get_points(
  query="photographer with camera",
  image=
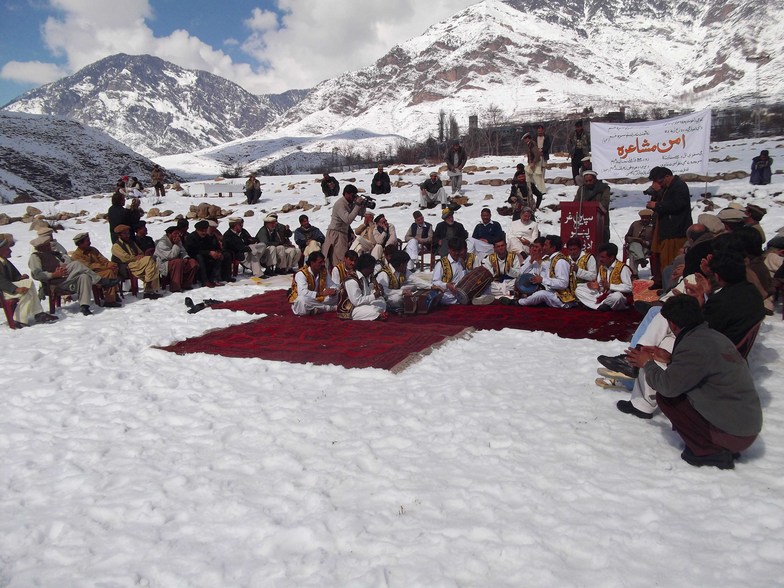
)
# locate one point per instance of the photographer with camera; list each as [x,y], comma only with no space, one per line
[339,232]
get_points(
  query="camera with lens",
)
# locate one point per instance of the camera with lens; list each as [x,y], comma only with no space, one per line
[368,202]
[650,192]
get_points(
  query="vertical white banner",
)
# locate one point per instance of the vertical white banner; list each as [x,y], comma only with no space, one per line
[681,144]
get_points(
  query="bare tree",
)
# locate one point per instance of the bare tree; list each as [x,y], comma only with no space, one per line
[441,126]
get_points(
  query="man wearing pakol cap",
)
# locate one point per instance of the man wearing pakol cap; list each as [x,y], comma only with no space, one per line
[446,230]
[140,265]
[312,289]
[173,261]
[419,234]
[283,254]
[18,286]
[455,159]
[754,215]
[672,207]
[205,249]
[56,245]
[594,190]
[244,248]
[339,233]
[92,258]
[432,192]
[53,269]
[638,240]
[534,168]
[732,218]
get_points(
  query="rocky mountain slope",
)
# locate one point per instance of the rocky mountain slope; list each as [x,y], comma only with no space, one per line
[156,107]
[52,158]
[537,58]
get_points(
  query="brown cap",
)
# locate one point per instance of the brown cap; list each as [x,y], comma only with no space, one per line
[121,228]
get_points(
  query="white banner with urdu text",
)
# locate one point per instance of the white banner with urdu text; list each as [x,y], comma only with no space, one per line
[630,150]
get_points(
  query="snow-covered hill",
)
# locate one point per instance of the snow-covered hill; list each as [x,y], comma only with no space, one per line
[537,58]
[156,107]
[54,158]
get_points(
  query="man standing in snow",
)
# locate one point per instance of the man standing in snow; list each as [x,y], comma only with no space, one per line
[339,232]
[534,168]
[455,160]
[579,147]
[544,142]
[157,178]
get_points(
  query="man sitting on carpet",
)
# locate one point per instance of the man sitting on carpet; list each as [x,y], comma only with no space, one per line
[345,267]
[312,290]
[556,278]
[485,234]
[505,267]
[707,390]
[394,278]
[361,298]
[613,288]
[583,263]
[450,269]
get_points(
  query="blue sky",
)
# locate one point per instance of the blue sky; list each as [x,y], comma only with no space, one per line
[266,47]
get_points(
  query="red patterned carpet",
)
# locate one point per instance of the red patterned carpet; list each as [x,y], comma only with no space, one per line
[391,345]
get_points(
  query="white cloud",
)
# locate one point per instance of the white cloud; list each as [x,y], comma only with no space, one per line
[31,72]
[312,41]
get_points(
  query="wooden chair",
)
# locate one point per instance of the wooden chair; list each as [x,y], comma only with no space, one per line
[424,250]
[744,345]
[235,268]
[9,305]
[55,296]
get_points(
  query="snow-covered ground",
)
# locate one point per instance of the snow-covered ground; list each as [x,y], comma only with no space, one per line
[494,461]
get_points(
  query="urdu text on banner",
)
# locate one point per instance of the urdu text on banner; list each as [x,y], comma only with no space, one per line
[630,150]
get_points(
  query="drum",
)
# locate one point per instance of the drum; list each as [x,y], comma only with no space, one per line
[421,301]
[524,286]
[472,284]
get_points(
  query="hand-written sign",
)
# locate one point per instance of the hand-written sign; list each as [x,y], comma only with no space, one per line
[681,144]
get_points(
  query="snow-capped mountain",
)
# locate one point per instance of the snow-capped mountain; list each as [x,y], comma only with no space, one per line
[539,58]
[156,107]
[53,158]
